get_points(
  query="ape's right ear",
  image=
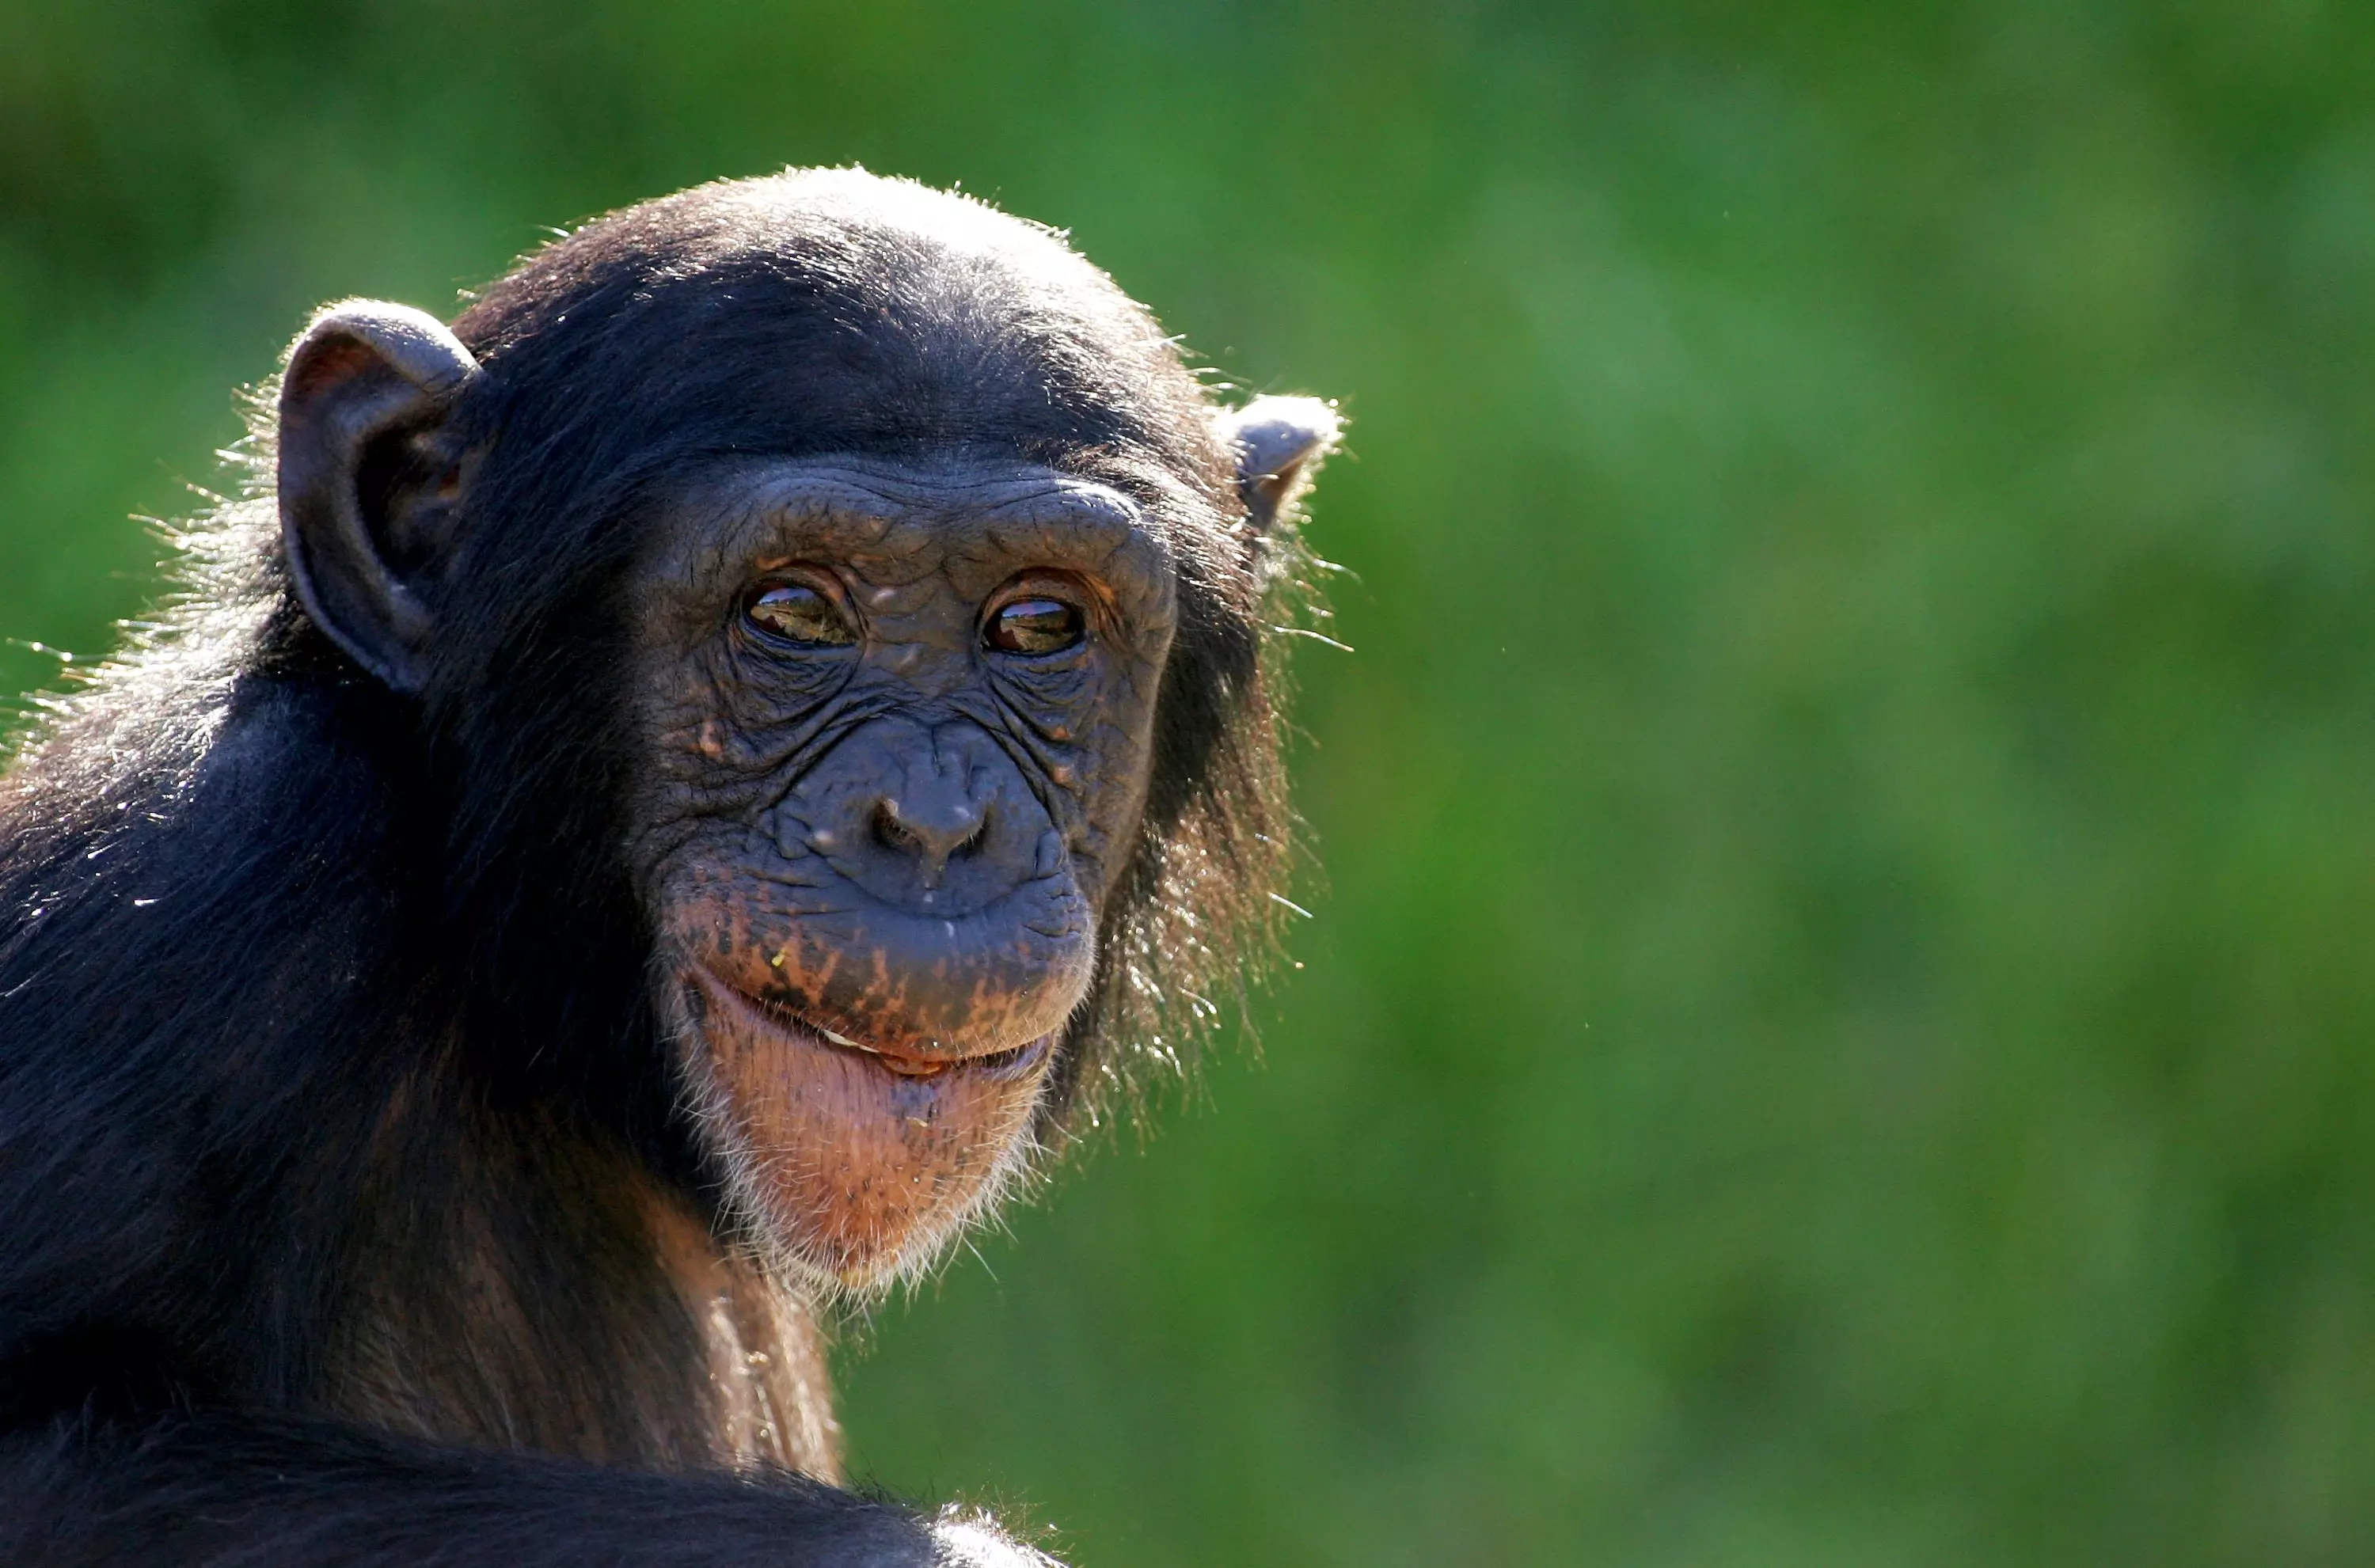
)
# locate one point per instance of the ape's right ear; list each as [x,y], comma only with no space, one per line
[370,479]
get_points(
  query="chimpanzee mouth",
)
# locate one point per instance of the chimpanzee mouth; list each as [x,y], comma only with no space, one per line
[1003,1063]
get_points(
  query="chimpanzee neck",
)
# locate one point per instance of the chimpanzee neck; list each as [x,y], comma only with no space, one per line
[542,1291]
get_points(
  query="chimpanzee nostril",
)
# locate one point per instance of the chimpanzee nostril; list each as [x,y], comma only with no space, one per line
[891,833]
[934,831]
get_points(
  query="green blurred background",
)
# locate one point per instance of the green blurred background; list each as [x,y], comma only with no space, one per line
[1837,1025]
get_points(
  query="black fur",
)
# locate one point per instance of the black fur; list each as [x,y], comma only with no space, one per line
[321,1009]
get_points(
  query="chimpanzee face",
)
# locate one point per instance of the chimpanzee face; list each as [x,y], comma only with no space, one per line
[899,728]
[855,729]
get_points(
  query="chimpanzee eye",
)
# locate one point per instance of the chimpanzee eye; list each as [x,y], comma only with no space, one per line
[794,613]
[1034,626]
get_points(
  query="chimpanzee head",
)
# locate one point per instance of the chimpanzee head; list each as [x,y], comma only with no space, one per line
[833,619]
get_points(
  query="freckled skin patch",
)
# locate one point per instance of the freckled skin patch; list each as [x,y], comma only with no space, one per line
[880,865]
[854,1162]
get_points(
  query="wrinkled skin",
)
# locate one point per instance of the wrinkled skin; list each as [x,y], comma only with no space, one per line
[879,868]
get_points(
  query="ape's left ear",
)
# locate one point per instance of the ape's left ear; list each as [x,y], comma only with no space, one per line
[1280,443]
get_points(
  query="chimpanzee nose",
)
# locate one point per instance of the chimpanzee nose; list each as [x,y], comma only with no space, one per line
[933,819]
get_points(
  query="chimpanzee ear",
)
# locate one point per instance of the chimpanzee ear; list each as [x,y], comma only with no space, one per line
[1280,443]
[369,479]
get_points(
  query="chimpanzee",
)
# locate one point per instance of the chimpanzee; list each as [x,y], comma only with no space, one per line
[663,799]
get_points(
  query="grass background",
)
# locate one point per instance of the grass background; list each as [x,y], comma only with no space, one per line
[1837,1028]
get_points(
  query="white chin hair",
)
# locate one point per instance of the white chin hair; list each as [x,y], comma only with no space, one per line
[772,1238]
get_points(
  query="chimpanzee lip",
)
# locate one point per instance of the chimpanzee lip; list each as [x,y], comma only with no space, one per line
[906,1063]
